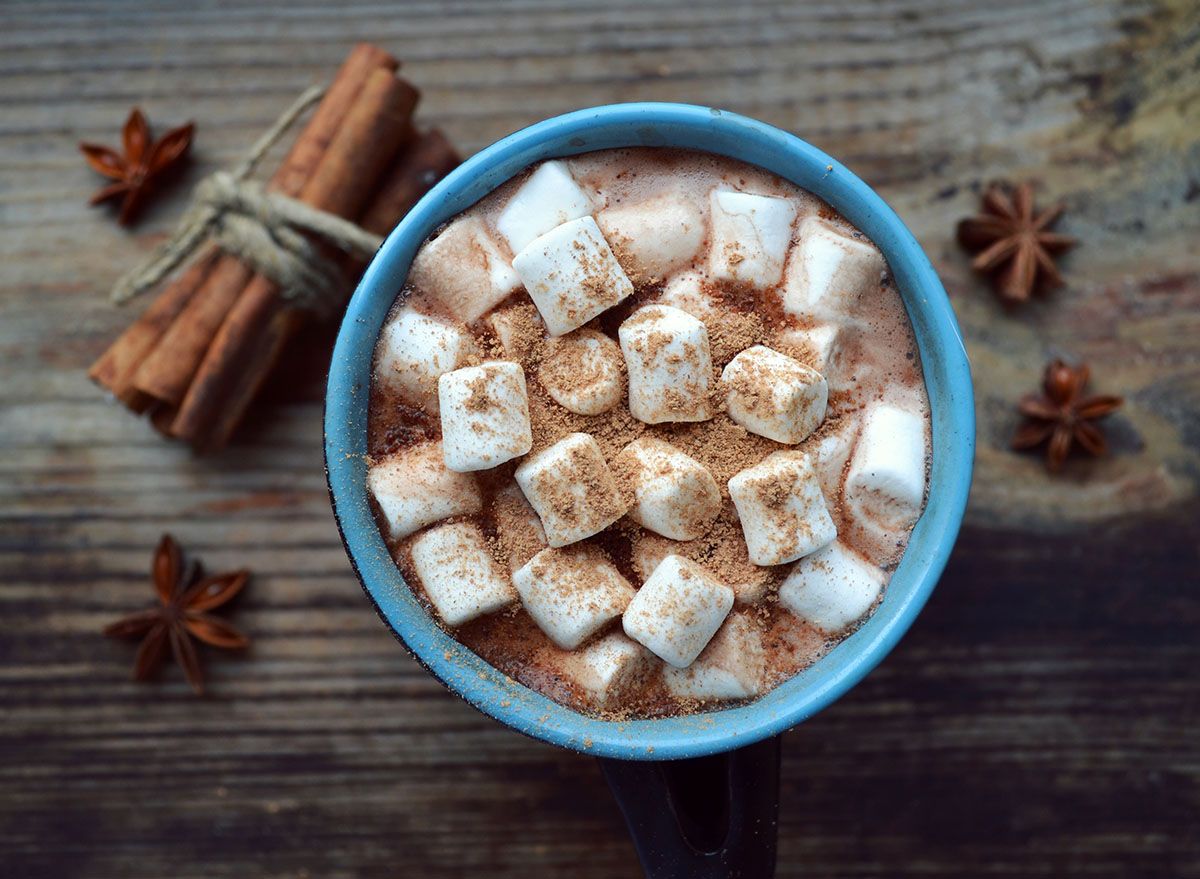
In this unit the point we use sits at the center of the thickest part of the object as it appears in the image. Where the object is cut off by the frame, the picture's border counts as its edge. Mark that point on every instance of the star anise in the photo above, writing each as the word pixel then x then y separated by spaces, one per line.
pixel 1012 242
pixel 1063 415
pixel 184 596
pixel 140 167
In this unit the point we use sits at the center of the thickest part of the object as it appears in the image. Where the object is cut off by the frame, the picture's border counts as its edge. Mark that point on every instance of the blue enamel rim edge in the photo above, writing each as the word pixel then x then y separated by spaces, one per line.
pixel 947 376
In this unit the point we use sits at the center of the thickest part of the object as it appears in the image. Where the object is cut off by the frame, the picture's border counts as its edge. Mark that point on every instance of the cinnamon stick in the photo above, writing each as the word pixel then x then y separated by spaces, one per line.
pixel 421 165
pixel 426 161
pixel 115 368
pixel 310 147
pixel 161 417
pixel 169 368
pixel 241 353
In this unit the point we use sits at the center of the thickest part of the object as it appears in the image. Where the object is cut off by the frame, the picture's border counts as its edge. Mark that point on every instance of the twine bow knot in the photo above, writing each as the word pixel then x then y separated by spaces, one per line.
pixel 277 236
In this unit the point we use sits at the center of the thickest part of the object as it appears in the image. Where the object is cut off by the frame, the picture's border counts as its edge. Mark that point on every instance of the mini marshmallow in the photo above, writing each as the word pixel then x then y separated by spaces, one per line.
pixel 832 588
pixel 571 275
pixel 677 610
pixel 829 455
pixel 885 482
pixel 750 237
pixel 485 415
pixel 583 372
pixel 648 551
pixel 415 350
pixel 815 346
pixel 773 395
pixel 518 528
pixel 730 667
pixel 548 198
pixel 413 488
pixel 829 270
pixel 669 364
pixel 609 666
pixel 572 593
pixel 458 573
pixel 572 489
pixel 685 291
pixel 749 582
pixel 654 237
pixel 781 507
pixel 518 328
pixel 465 270
pixel 674 495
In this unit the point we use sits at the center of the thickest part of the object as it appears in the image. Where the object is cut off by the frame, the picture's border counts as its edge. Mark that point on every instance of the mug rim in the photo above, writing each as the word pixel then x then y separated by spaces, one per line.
pixel 946 373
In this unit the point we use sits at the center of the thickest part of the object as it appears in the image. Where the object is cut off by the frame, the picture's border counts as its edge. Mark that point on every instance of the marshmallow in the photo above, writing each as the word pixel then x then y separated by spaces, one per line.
pixel 608 667
pixel 832 588
pixel 674 495
pixel 828 271
pixel 518 528
pixel 518 329
pixel 751 585
pixel 465 270
pixel 458 573
pixel 772 395
pixel 677 610
pixel 653 238
pixel 885 482
pixel 685 291
pixel 781 507
pixel 413 488
pixel 572 489
pixel 485 415
pixel 415 349
pixel 829 455
pixel 548 198
pixel 815 346
pixel 752 588
pixel 750 237
pixel 749 582
pixel 648 551
pixel 667 356
pixel 571 593
pixel 732 666
pixel 571 275
pixel 583 372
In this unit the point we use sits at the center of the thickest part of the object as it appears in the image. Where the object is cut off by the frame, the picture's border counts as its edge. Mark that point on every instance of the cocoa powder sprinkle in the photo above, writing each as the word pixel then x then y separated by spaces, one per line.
pixel 737 316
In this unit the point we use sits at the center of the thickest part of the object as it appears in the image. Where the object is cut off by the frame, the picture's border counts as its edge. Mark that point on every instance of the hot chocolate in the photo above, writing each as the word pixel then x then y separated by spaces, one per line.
pixel 648 430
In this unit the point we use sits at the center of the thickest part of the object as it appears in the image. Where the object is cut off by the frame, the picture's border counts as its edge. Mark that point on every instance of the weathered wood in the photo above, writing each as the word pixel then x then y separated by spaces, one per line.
pixel 1039 720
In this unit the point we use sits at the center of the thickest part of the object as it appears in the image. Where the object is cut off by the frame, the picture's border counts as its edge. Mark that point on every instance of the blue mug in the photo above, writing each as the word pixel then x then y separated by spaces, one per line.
pixel 703 799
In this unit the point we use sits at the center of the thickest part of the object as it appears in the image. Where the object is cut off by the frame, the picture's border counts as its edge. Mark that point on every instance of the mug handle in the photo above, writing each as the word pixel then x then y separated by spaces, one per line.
pixel 703 818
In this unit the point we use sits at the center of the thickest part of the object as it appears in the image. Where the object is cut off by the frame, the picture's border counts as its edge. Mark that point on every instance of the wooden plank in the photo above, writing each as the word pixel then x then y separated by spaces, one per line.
pixel 1038 720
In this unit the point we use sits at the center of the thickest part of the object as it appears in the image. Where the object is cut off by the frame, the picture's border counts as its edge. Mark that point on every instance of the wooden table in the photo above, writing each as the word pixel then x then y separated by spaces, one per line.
pixel 1040 719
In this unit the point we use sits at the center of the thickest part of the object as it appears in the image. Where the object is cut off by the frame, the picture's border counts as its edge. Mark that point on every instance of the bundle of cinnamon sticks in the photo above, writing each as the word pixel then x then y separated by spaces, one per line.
pixel 197 357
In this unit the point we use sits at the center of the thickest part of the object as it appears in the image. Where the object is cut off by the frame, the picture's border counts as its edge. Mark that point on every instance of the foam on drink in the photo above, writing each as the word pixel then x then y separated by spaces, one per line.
pixel 603 236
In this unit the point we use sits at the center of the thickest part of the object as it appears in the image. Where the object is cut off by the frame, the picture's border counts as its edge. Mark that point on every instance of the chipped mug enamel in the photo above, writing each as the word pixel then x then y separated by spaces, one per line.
pixel 947 379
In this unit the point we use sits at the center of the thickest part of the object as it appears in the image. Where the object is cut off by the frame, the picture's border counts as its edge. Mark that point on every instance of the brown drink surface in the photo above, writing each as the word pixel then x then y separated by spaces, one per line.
pixel 876 361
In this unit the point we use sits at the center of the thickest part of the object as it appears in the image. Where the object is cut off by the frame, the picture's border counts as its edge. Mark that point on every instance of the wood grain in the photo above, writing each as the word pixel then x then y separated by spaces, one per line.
pixel 1041 717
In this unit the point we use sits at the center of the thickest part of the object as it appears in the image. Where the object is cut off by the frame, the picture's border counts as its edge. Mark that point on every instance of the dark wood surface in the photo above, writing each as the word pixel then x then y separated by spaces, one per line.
pixel 1040 719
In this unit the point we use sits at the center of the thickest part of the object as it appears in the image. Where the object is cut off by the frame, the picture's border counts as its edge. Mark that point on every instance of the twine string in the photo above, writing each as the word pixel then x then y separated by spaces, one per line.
pixel 268 231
